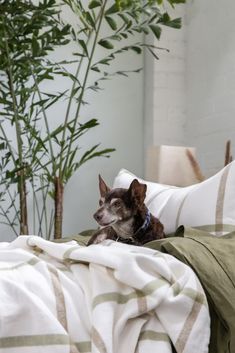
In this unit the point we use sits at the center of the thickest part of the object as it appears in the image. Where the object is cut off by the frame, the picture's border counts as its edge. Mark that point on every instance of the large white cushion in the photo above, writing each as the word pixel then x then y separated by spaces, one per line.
pixel 209 205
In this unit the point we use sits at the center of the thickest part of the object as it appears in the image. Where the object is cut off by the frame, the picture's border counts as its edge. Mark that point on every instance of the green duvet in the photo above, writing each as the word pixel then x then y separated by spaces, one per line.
pixel 213 260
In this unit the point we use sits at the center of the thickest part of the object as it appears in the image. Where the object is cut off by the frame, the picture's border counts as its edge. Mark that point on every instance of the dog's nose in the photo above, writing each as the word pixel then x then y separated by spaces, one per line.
pixel 97 217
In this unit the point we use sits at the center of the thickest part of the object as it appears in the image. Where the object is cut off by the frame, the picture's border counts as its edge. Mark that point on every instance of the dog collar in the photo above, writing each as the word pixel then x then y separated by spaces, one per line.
pixel 145 224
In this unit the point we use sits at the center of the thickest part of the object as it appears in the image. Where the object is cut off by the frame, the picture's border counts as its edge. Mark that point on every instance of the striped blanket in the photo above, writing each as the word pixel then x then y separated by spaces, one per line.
pixel 107 298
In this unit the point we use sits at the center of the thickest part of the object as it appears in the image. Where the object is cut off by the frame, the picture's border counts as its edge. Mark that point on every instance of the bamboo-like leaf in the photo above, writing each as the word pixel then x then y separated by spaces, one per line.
pixel 176 23
pixel 167 21
pixel 79 54
pixel 55 99
pixel 136 49
pixel 87 154
pixel 95 68
pixel 156 30
pixel 106 44
pixel 125 19
pixel 172 2
pixel 112 23
pixel 89 19
pixel 54 133
pixel 92 153
pixel 83 45
pixel 105 61
pixel 113 9
pixel 124 35
pixel 65 73
pixel 88 125
pixel 94 3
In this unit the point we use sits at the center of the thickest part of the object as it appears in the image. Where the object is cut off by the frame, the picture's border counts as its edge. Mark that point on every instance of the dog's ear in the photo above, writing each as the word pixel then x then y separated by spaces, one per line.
pixel 137 191
pixel 103 187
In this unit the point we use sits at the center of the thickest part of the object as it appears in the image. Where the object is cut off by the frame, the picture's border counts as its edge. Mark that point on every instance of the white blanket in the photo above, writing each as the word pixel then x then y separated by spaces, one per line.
pixel 107 298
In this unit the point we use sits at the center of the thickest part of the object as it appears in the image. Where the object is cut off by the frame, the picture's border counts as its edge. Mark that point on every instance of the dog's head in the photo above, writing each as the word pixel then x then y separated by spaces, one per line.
pixel 119 205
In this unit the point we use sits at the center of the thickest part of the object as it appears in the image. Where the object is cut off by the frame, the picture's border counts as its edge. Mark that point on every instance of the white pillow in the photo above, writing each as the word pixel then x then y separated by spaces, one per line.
pixel 209 205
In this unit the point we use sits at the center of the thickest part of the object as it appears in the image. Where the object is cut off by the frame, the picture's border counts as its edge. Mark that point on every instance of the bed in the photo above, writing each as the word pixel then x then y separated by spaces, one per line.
pixel 173 295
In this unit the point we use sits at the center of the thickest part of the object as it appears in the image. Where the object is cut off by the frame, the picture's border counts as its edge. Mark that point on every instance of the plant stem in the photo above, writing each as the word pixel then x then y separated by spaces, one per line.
pixel 58 180
pixel 84 85
pixel 71 98
pixel 46 123
pixel 23 205
pixel 50 225
pixel 36 206
pixel 227 153
pixel 21 182
pixel 58 218
pixel 44 207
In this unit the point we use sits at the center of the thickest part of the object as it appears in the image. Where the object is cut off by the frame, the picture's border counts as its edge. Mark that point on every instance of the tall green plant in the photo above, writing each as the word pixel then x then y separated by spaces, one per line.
pixel 45 158
pixel 28 32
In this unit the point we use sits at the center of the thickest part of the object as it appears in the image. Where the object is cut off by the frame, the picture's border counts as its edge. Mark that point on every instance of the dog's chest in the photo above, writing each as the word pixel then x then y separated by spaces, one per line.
pixel 124 229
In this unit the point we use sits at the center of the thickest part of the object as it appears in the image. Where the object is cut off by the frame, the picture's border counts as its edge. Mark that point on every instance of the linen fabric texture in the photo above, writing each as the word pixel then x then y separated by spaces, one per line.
pixel 105 298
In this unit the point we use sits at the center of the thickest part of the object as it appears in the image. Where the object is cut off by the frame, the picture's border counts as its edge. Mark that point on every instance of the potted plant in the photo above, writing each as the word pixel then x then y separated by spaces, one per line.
pixel 39 160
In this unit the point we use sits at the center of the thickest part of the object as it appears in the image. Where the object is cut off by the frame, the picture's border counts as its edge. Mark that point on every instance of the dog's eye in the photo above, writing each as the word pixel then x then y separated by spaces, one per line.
pixel 101 202
pixel 117 203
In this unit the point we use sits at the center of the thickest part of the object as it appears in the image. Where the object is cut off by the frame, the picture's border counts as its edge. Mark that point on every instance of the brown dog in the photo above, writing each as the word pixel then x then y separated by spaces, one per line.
pixel 123 216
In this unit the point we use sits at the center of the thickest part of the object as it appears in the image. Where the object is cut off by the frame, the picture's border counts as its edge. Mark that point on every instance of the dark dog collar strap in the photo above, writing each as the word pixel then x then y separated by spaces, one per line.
pixel 145 224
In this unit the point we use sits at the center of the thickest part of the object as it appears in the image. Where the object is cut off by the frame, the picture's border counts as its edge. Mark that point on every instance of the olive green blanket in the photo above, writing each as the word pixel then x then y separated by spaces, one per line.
pixel 213 260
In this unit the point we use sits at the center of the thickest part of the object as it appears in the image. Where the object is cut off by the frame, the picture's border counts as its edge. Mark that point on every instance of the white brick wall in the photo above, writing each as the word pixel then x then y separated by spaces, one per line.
pixel 194 85
pixel 210 76
pixel 169 86
pixel 164 89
